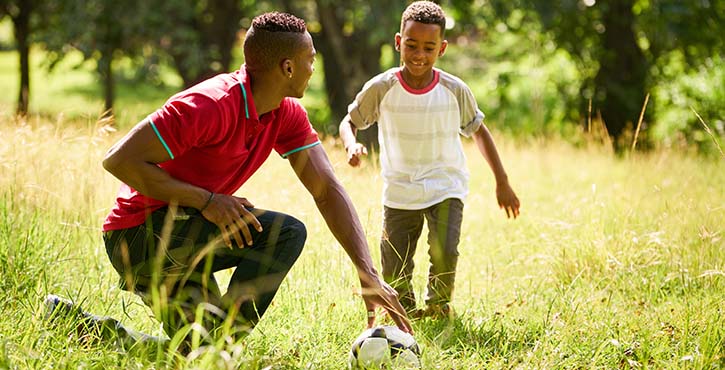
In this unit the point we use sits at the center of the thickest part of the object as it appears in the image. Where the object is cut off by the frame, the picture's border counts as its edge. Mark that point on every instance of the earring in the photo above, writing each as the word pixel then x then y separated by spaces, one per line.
pixel 289 75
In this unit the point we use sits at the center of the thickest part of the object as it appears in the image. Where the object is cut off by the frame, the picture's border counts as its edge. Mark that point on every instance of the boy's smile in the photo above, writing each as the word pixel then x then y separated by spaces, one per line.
pixel 420 45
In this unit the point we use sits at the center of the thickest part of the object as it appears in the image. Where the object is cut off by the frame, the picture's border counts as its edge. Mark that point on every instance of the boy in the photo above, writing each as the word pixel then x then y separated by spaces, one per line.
pixel 421 111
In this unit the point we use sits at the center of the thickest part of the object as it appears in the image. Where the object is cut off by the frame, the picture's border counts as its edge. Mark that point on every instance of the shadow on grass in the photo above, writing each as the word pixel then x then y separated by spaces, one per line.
pixel 491 337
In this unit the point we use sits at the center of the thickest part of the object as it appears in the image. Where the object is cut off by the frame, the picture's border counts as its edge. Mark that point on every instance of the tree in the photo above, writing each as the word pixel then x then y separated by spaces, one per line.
pixel 102 30
pixel 20 12
pixel 621 40
pixel 199 36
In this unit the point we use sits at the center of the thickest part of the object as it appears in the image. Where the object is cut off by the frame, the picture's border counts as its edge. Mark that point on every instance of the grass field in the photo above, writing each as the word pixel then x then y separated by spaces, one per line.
pixel 615 262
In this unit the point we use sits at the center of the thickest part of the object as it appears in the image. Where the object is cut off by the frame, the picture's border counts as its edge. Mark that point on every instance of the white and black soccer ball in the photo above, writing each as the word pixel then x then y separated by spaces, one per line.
pixel 385 347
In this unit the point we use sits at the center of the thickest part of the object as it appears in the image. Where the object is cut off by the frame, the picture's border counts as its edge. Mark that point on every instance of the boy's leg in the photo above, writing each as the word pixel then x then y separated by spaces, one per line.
pixel 401 230
pixel 444 230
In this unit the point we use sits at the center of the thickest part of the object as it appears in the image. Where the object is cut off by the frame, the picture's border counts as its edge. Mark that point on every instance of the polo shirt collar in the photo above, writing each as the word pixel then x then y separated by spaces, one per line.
pixel 248 99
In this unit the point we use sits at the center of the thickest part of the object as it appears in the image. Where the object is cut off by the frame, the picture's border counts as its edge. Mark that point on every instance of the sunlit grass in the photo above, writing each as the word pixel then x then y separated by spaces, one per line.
pixel 614 262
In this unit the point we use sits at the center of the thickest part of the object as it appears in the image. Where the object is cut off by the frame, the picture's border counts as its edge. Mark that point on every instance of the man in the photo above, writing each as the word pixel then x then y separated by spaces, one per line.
pixel 176 221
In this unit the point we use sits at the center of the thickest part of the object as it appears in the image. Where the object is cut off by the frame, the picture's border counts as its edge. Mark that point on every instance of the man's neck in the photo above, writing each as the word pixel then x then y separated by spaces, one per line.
pixel 265 94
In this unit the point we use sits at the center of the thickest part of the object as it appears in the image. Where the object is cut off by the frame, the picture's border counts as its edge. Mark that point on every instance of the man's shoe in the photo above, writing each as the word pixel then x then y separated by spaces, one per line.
pixel 57 307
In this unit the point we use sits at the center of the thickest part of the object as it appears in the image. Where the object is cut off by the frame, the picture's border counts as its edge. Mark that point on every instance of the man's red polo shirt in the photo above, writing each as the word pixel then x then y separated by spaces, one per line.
pixel 216 141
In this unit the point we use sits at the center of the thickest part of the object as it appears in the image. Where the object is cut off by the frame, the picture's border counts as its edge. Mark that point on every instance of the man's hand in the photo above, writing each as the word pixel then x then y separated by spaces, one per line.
pixel 354 152
pixel 377 293
pixel 231 215
pixel 507 200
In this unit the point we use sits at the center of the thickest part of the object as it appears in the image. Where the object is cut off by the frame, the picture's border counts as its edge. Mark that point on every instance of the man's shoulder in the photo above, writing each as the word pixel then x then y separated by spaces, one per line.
pixel 214 88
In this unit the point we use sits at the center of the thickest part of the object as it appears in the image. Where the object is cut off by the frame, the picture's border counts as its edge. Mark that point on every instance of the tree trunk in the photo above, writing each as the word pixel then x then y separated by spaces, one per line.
pixel 105 69
pixel 348 63
pixel 209 51
pixel 21 23
pixel 623 69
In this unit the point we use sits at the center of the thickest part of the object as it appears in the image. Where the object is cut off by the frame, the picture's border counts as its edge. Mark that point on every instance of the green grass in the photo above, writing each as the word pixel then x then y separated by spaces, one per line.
pixel 614 262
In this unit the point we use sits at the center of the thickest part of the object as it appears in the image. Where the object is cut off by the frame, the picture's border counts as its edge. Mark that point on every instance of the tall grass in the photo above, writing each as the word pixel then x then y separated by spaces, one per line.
pixel 613 263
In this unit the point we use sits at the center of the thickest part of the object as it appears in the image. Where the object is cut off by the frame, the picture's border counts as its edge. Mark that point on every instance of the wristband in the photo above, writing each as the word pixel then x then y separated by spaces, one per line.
pixel 208 202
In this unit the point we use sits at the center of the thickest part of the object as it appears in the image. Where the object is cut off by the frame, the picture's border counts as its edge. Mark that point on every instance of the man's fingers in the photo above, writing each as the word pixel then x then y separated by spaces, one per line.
pixel 225 236
pixel 251 219
pixel 399 317
pixel 241 232
pixel 233 229
pixel 245 202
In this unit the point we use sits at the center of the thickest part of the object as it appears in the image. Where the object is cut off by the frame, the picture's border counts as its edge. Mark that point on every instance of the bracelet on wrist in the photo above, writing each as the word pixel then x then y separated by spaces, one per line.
pixel 208 202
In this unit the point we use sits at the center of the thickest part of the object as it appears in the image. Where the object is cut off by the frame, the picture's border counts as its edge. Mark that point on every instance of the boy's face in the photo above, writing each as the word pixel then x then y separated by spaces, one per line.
pixel 420 45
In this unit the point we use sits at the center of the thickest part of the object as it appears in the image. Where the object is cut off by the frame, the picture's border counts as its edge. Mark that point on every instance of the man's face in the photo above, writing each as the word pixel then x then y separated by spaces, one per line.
pixel 304 66
pixel 420 45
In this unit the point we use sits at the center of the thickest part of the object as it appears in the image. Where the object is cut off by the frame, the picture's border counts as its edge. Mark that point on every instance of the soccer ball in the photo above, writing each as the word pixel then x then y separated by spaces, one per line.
pixel 385 347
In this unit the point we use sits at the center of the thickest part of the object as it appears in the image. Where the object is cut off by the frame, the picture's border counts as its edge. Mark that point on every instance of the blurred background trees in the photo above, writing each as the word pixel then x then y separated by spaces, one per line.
pixel 536 66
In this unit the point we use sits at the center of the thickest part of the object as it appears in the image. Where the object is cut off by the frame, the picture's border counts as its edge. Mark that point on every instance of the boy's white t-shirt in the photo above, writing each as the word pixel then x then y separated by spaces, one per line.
pixel 421 155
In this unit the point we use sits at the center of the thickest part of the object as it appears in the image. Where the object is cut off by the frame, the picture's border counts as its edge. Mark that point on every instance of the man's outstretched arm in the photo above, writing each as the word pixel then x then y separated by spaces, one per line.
pixel 315 171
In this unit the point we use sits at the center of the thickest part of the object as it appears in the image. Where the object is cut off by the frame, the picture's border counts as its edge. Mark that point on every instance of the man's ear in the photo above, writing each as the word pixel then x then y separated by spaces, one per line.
pixel 398 39
pixel 442 50
pixel 287 68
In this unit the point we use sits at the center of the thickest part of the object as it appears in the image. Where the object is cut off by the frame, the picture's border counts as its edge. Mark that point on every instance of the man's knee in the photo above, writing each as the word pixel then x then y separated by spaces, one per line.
pixel 296 232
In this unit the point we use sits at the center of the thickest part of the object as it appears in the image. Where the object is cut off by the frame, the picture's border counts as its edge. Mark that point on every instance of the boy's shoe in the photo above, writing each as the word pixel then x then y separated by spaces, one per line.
pixel 416 314
pixel 439 311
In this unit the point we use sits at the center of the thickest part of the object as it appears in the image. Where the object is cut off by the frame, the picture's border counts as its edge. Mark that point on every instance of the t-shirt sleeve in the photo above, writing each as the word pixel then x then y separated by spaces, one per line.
pixel 471 116
pixel 296 133
pixel 185 121
pixel 364 111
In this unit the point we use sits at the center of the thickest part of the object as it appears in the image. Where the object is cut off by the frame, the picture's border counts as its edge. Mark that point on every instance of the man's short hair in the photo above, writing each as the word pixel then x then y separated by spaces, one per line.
pixel 273 37
pixel 426 12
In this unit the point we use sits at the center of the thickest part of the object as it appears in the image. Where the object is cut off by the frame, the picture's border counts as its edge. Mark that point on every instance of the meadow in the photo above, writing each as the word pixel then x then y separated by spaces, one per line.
pixel 617 261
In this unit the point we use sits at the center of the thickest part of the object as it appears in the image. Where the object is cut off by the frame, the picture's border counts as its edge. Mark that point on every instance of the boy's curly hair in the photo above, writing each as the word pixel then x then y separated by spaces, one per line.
pixel 426 12
pixel 273 36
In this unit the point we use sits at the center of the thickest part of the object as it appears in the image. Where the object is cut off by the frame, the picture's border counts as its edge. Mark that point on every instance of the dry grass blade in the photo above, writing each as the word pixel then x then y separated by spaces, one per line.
pixel 589 117
pixel 709 132
pixel 639 123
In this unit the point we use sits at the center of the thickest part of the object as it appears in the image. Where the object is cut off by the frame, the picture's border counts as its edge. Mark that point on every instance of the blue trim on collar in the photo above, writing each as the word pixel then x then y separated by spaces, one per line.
pixel 244 95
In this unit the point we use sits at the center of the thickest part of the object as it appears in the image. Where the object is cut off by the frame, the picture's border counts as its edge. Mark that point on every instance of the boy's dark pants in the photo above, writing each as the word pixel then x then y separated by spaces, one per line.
pixel 401 230
pixel 170 260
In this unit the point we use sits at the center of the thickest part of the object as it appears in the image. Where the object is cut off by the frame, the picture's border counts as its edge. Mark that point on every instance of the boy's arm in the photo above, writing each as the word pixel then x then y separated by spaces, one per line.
pixel 354 149
pixel 504 193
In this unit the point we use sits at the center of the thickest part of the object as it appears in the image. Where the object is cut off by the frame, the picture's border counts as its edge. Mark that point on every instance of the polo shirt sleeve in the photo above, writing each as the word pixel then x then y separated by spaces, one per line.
pixel 471 116
pixel 296 132
pixel 187 121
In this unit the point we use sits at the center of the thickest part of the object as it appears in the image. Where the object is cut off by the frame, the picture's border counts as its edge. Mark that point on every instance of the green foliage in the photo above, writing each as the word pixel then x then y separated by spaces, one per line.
pixel 616 72
pixel 685 92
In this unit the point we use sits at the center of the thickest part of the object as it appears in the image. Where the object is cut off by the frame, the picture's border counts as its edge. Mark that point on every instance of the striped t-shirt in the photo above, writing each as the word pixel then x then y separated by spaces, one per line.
pixel 421 155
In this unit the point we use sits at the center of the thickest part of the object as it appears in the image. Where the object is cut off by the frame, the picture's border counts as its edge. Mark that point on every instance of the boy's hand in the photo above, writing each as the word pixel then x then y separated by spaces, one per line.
pixel 507 200
pixel 354 152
